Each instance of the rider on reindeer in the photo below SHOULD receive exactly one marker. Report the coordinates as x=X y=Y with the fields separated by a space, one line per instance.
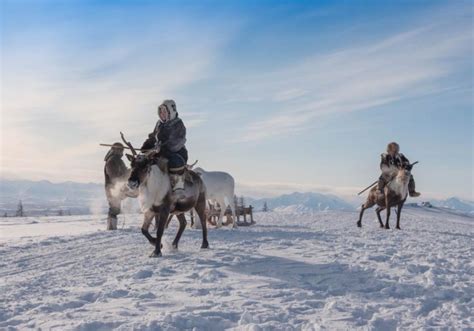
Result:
x=391 y=161
x=169 y=139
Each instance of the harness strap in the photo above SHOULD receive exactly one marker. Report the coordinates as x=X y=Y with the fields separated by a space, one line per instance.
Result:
x=177 y=169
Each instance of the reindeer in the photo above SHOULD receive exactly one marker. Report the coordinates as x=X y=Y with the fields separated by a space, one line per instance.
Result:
x=158 y=201
x=396 y=193
x=220 y=189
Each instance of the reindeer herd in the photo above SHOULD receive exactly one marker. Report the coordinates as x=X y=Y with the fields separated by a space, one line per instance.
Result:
x=158 y=202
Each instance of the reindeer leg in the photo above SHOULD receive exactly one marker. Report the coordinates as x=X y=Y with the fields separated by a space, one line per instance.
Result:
x=148 y=218
x=368 y=204
x=192 y=218
x=387 y=225
x=182 y=226
x=169 y=221
x=160 y=218
x=399 y=213
x=234 y=218
x=201 y=211
x=387 y=205
x=362 y=209
x=377 y=211
x=221 y=203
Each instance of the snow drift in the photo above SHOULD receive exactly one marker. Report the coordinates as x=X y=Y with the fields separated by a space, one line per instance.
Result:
x=292 y=271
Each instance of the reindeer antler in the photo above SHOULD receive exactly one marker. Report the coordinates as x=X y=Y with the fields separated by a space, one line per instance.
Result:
x=134 y=152
x=192 y=165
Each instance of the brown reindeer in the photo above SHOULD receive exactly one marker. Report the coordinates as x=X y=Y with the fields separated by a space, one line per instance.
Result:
x=395 y=194
x=158 y=201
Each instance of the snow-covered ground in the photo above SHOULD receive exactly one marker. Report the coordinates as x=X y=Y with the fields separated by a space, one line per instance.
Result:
x=289 y=271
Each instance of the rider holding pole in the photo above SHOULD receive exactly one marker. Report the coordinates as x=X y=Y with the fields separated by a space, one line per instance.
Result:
x=390 y=162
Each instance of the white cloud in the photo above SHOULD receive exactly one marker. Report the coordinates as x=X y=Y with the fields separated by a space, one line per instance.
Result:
x=61 y=97
x=289 y=94
x=402 y=66
x=194 y=119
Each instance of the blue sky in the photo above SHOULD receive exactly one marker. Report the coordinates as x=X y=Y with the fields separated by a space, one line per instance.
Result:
x=286 y=96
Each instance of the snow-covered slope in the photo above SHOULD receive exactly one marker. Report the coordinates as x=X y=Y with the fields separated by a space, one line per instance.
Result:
x=303 y=202
x=456 y=204
x=289 y=271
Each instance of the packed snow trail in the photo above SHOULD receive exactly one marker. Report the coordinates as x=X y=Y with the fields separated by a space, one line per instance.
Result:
x=290 y=271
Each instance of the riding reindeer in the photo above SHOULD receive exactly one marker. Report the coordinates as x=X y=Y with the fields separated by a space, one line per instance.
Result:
x=157 y=200
x=395 y=194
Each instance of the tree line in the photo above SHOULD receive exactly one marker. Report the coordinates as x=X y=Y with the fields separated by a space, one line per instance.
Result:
x=20 y=212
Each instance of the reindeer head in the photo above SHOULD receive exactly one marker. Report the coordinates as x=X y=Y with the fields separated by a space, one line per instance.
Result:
x=140 y=166
x=139 y=163
x=404 y=172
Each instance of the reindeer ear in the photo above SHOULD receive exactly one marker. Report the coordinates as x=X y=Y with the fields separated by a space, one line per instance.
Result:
x=129 y=157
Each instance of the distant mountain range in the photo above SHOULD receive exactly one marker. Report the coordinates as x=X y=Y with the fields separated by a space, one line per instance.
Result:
x=41 y=190
x=312 y=202
x=455 y=204
x=46 y=198
x=302 y=202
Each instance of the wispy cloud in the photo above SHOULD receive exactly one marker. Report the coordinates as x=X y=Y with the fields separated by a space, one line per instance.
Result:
x=402 y=66
x=61 y=98
x=194 y=119
x=72 y=81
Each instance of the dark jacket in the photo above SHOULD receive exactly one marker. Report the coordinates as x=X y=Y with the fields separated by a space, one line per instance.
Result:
x=114 y=169
x=398 y=161
x=171 y=135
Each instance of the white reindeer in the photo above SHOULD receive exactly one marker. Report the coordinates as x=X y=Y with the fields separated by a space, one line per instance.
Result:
x=219 y=188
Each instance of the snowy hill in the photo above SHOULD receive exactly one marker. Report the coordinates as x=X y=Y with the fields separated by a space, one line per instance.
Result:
x=302 y=202
x=457 y=204
x=291 y=271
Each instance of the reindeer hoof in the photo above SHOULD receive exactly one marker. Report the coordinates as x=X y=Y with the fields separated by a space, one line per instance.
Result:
x=156 y=254
x=175 y=246
x=205 y=245
x=399 y=228
x=387 y=227
x=359 y=224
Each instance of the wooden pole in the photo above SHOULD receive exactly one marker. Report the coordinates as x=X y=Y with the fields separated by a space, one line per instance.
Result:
x=125 y=147
x=371 y=185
